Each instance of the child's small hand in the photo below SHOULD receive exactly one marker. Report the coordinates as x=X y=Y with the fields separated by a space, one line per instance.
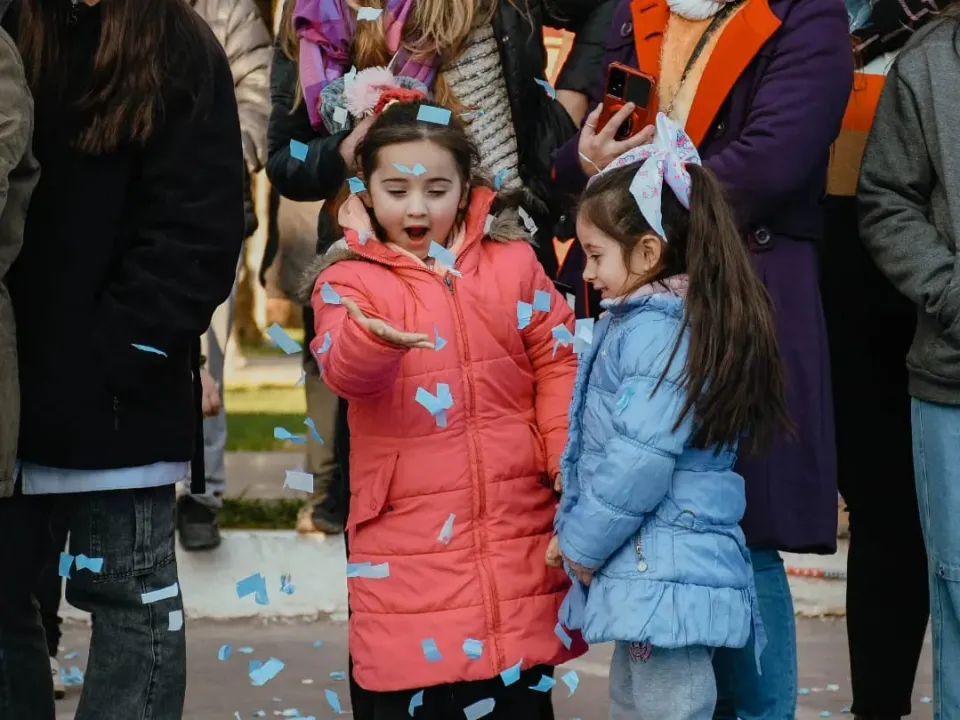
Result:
x=210 y=395
x=583 y=574
x=553 y=558
x=386 y=332
x=558 y=484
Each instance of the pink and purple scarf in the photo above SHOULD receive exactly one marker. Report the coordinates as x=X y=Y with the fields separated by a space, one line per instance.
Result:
x=326 y=29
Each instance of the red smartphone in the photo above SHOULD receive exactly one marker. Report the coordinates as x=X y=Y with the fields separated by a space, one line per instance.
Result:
x=626 y=84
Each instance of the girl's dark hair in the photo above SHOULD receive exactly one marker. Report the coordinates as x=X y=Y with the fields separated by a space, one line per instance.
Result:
x=142 y=46
x=733 y=374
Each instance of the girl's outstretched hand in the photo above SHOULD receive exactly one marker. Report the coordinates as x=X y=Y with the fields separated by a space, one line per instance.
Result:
x=386 y=332
x=599 y=149
x=553 y=558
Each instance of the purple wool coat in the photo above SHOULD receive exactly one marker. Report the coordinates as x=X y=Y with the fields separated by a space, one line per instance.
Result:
x=773 y=97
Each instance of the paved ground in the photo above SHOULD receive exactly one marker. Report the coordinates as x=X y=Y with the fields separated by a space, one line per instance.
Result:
x=259 y=475
x=219 y=689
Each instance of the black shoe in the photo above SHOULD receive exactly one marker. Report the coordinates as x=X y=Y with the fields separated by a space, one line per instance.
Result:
x=197 y=525
x=327 y=517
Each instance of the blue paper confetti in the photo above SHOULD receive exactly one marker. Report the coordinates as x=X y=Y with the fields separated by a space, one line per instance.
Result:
x=281 y=433
x=333 y=700
x=255 y=585
x=313 y=430
x=541 y=301
x=845 y=710
x=338 y=675
x=318 y=643
x=267 y=672
x=582 y=334
x=94 y=565
x=439 y=343
x=472 y=115
x=524 y=314
x=443 y=256
x=298 y=150
x=511 y=674
x=430 y=650
x=368 y=13
x=298 y=480
x=66 y=562
x=245 y=650
x=148 y=349
x=625 y=397
x=565 y=638
x=417 y=170
x=223 y=654
x=283 y=341
x=356 y=185
x=437 y=405
x=926 y=700
x=415 y=702
x=499 y=178
x=286 y=585
x=71 y=677
x=572 y=681
x=473 y=649
x=562 y=336
x=480 y=709
x=826 y=714
x=254 y=665
x=546 y=684
x=803 y=691
x=327 y=342
x=435 y=115
x=368 y=570
x=72 y=655
x=329 y=295
x=546 y=86
x=446 y=532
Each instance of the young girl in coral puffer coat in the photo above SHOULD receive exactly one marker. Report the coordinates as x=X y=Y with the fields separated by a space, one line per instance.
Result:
x=437 y=323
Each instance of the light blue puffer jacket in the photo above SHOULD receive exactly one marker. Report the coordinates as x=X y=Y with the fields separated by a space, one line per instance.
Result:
x=656 y=518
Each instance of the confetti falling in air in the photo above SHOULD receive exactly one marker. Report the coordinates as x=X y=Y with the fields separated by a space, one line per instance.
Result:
x=94 y=565
x=541 y=301
x=356 y=185
x=479 y=709
x=148 y=349
x=281 y=433
x=524 y=314
x=278 y=336
x=572 y=681
x=313 y=429
x=369 y=14
x=71 y=655
x=547 y=87
x=546 y=684
x=245 y=650
x=175 y=620
x=73 y=676
x=439 y=343
x=171 y=591
x=565 y=638
x=338 y=675
x=223 y=654
x=926 y=700
x=833 y=688
x=333 y=700
x=803 y=691
x=286 y=585
x=298 y=480
x=255 y=585
x=582 y=334
x=443 y=256
x=562 y=336
x=66 y=562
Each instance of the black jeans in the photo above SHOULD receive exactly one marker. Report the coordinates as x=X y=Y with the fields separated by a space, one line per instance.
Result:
x=871 y=327
x=443 y=702
x=136 y=667
x=50 y=585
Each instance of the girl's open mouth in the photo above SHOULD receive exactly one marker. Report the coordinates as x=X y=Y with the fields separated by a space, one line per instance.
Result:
x=416 y=233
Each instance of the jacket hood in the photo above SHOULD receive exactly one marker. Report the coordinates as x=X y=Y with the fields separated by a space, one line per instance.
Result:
x=506 y=226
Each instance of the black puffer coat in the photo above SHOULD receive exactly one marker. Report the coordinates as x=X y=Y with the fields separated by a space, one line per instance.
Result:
x=541 y=124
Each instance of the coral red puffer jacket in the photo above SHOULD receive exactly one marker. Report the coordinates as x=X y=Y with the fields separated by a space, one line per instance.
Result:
x=490 y=467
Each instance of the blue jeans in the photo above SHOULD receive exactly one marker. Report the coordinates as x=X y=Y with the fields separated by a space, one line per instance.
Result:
x=741 y=692
x=936 y=460
x=136 y=667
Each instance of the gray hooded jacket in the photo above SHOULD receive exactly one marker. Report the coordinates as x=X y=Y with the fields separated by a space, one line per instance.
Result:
x=19 y=173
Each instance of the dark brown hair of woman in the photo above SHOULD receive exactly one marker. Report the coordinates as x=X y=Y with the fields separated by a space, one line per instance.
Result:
x=141 y=52
x=733 y=375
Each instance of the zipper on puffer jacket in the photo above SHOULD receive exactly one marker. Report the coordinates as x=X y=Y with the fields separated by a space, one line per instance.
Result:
x=642 y=565
x=476 y=461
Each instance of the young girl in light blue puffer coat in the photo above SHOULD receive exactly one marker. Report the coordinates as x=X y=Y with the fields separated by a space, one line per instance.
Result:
x=683 y=371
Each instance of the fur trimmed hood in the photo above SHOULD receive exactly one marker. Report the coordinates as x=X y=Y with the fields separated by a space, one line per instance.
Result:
x=507 y=226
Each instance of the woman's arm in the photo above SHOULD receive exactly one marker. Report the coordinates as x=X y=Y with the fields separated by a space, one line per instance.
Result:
x=355 y=363
x=896 y=182
x=796 y=112
x=589 y=20
x=179 y=258
x=322 y=173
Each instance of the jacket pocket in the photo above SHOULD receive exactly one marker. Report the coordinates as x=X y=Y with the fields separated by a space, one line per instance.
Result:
x=367 y=502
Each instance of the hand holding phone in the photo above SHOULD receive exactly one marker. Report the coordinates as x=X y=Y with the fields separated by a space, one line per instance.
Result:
x=598 y=148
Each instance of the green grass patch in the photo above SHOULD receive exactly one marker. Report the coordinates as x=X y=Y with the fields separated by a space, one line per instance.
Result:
x=265 y=347
x=243 y=514
x=253 y=413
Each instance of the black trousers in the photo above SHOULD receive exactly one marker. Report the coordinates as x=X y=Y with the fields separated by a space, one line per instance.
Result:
x=871 y=327
x=49 y=588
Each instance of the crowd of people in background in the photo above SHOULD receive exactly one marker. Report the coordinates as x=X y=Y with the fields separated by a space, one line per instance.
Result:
x=759 y=307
